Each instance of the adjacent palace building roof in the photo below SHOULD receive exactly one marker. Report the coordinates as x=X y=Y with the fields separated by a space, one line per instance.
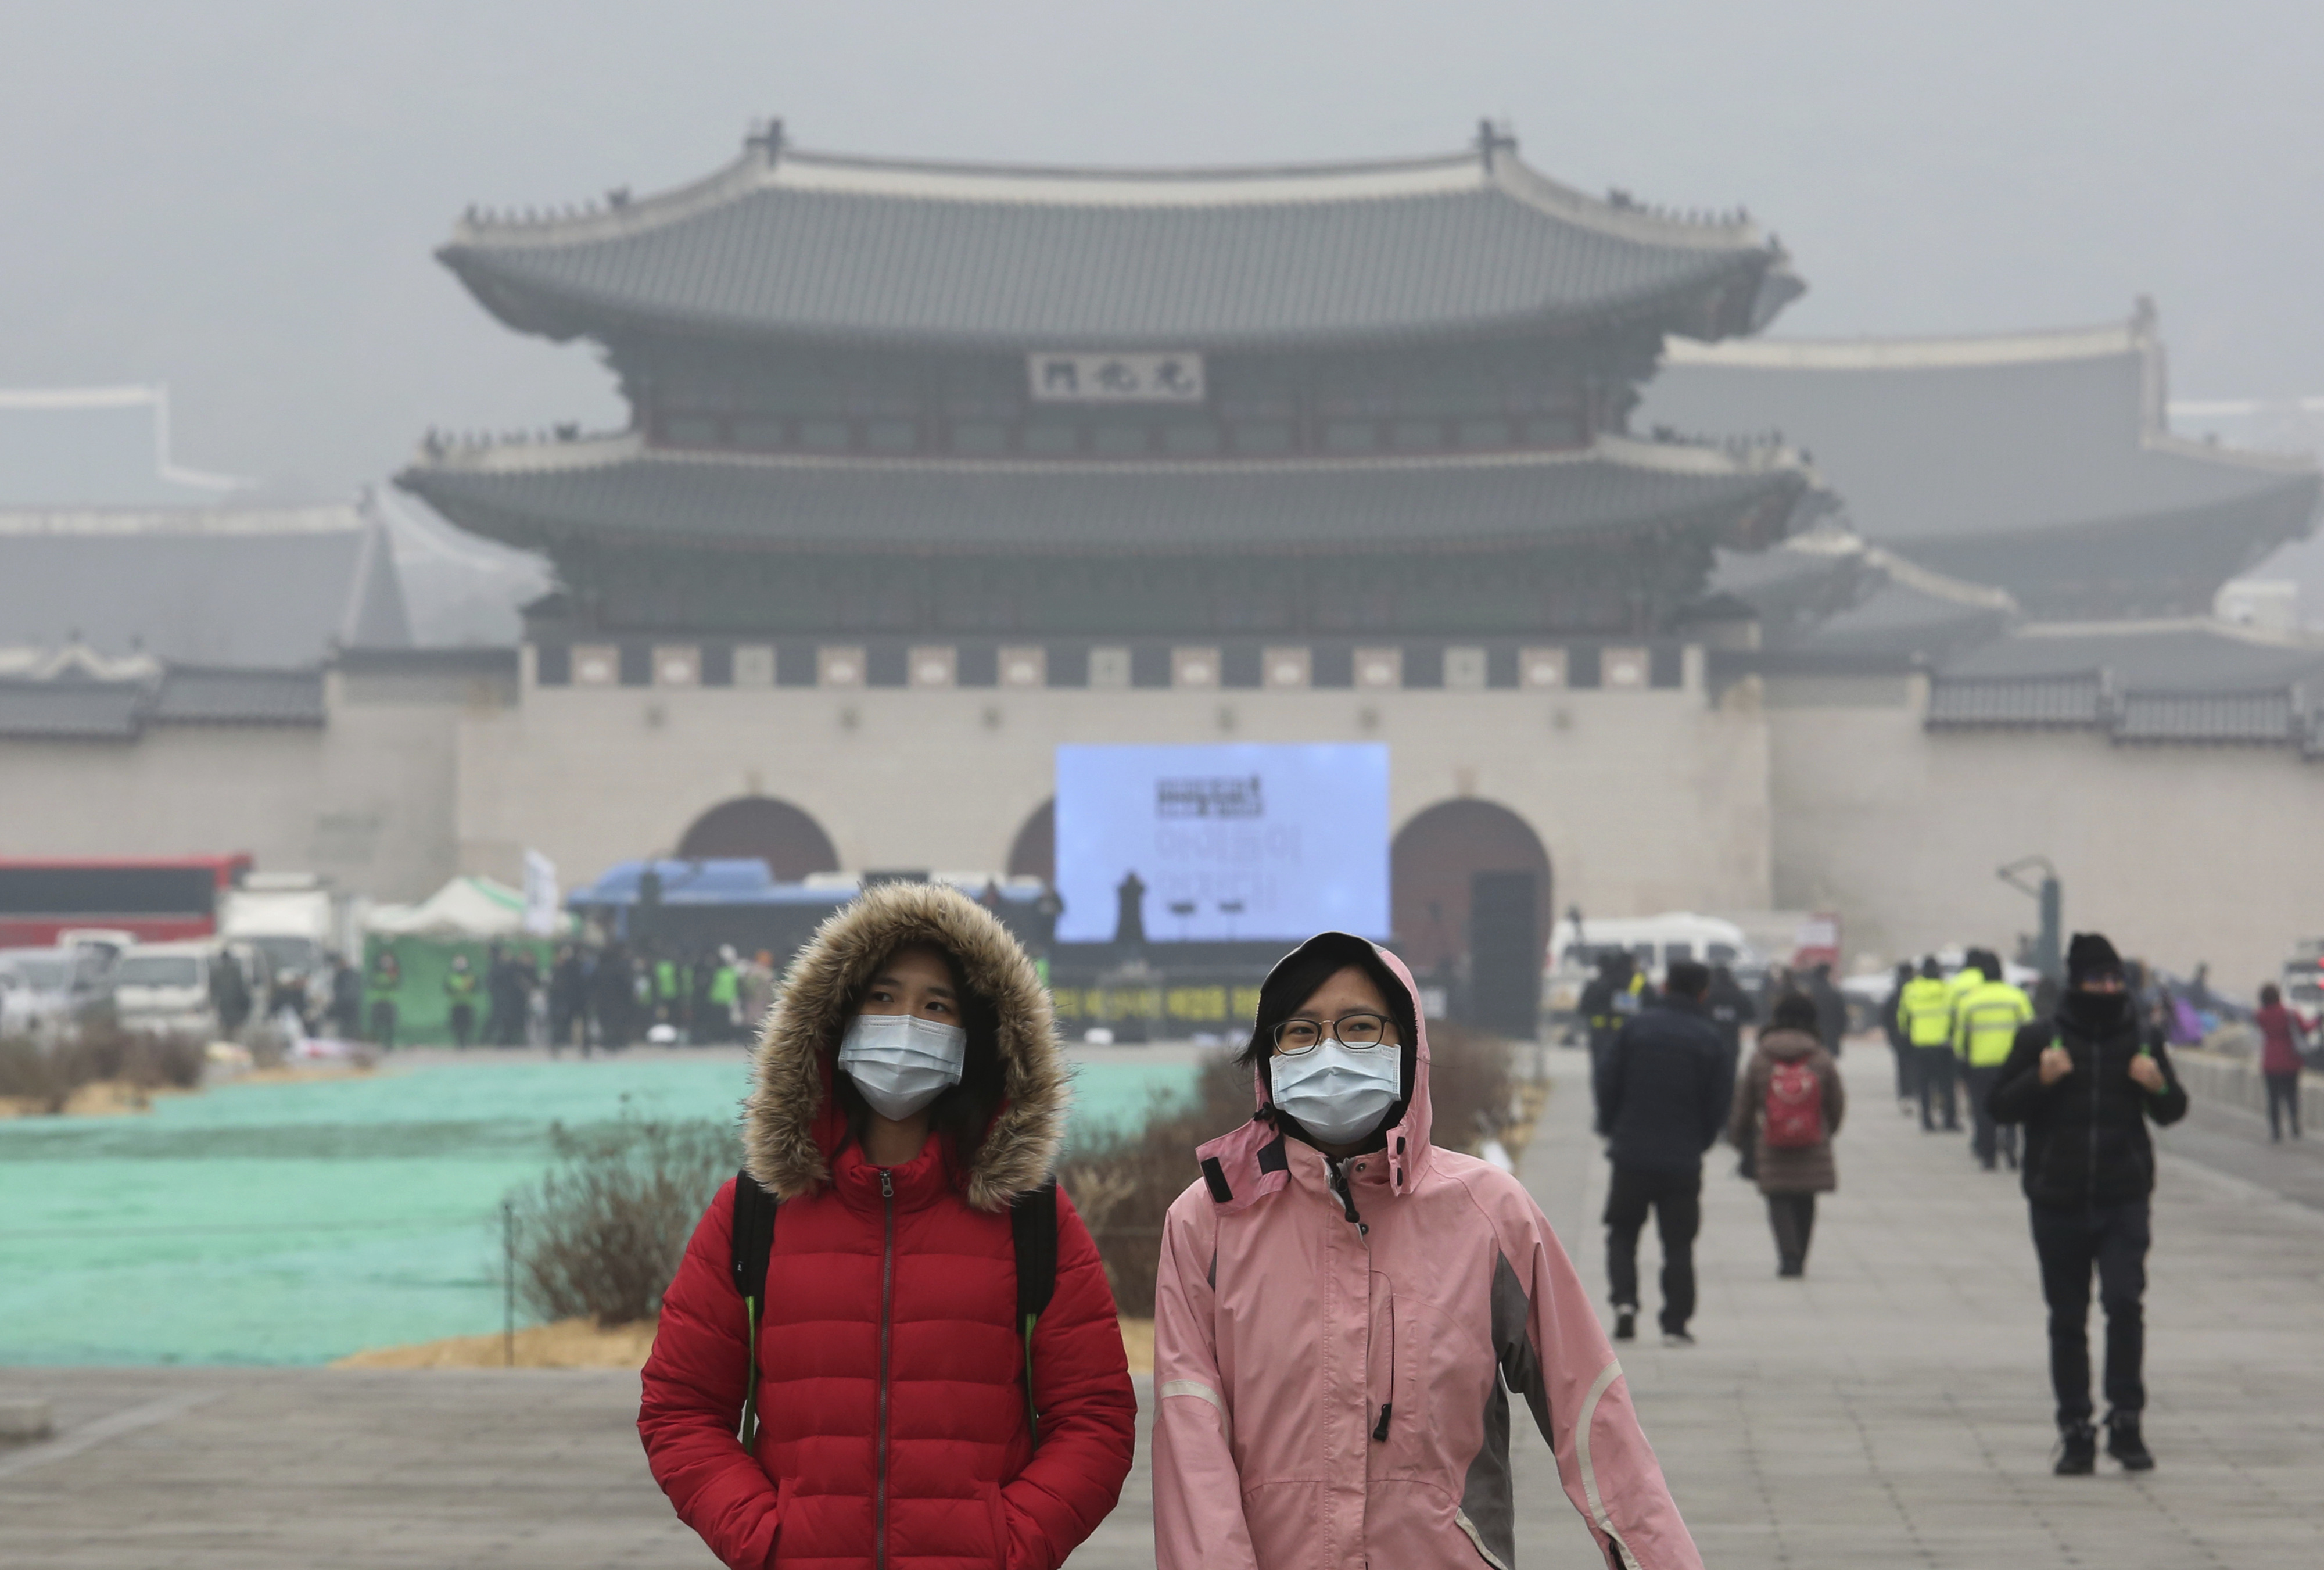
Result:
x=2037 y=462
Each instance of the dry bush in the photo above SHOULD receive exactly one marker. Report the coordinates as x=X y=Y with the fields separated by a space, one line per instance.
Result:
x=1123 y=1181
x=602 y=1234
x=1467 y=1085
x=28 y=1073
x=49 y=1075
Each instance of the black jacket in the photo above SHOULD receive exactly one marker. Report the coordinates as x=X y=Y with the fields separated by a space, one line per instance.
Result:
x=2085 y=1138
x=1662 y=1094
x=1729 y=1008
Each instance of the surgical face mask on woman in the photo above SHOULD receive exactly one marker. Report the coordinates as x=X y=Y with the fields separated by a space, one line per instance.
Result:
x=902 y=1062
x=1339 y=1092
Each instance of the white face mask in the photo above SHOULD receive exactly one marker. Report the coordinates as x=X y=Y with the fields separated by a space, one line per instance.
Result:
x=1338 y=1093
x=902 y=1062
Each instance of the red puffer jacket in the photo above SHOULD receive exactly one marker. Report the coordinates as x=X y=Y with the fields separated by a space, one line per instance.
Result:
x=891 y=1395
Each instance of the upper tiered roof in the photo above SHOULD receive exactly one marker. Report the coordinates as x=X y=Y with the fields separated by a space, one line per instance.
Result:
x=784 y=243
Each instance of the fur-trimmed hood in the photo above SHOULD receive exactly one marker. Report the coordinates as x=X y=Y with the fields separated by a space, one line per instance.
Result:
x=791 y=1124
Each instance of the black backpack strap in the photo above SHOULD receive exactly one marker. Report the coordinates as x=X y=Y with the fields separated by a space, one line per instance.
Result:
x=751 y=1243
x=1033 y=1227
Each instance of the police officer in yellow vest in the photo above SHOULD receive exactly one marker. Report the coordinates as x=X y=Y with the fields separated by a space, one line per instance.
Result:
x=1613 y=998
x=1986 y=1017
x=1926 y=1009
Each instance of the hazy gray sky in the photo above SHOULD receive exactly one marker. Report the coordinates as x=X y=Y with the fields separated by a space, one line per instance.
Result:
x=240 y=197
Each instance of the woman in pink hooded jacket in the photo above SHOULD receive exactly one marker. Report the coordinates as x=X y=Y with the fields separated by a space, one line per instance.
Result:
x=1344 y=1310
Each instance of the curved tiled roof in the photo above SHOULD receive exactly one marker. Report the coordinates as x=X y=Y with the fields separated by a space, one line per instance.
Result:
x=2159 y=682
x=789 y=243
x=538 y=495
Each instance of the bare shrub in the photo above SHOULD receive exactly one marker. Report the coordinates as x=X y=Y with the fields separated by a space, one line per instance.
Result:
x=48 y=1076
x=1467 y=1085
x=602 y=1234
x=1124 y=1179
x=28 y=1073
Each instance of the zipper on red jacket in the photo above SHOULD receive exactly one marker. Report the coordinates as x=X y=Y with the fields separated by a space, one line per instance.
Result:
x=887 y=1304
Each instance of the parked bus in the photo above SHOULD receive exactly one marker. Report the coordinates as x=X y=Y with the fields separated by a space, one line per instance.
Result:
x=159 y=899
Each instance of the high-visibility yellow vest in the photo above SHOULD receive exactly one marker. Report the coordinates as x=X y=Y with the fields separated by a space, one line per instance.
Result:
x=1928 y=1010
x=1985 y=1023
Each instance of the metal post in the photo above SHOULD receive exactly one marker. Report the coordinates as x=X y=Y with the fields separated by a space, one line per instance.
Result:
x=508 y=1282
x=2048 y=894
x=2049 y=948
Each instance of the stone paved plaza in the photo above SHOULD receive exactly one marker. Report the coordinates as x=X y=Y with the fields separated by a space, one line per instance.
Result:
x=1891 y=1409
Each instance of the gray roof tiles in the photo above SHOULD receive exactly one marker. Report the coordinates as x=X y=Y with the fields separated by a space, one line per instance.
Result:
x=832 y=248
x=1951 y=439
x=78 y=708
x=1128 y=508
x=2184 y=684
x=228 y=587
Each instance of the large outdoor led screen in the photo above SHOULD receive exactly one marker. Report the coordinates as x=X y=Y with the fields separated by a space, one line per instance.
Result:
x=1254 y=841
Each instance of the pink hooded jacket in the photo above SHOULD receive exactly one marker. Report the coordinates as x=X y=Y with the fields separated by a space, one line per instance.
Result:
x=1334 y=1379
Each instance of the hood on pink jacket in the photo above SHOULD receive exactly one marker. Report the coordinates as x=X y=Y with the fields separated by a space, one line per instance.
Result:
x=1244 y=1166
x=1336 y=1342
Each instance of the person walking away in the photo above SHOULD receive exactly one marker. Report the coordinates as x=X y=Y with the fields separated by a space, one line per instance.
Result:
x=1664 y=1100
x=755 y=992
x=2281 y=1039
x=722 y=995
x=909 y=1101
x=1342 y=1307
x=1928 y=1011
x=347 y=998
x=1788 y=1105
x=1986 y=1022
x=1729 y=1010
x=1900 y=1042
x=460 y=992
x=613 y=993
x=1613 y=997
x=384 y=982
x=1831 y=1009
x=568 y=997
x=2084 y=1084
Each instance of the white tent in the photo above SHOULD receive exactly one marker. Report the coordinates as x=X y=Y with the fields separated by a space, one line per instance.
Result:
x=467 y=906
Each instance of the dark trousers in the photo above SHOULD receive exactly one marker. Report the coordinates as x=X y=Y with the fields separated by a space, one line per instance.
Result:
x=2282 y=1093
x=1793 y=1218
x=382 y=1023
x=1676 y=1200
x=1991 y=1136
x=1908 y=1070
x=1936 y=1067
x=463 y=1023
x=2072 y=1242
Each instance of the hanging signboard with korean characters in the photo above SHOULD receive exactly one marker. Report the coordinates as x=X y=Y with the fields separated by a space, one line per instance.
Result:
x=1164 y=378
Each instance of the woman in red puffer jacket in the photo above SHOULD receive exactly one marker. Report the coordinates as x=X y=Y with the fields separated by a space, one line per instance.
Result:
x=908 y=1089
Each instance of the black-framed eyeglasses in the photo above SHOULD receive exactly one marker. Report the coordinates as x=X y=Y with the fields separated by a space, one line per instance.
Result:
x=1357 y=1031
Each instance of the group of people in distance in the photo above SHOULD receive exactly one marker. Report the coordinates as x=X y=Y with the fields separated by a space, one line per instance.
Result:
x=2082 y=1083
x=891 y=1338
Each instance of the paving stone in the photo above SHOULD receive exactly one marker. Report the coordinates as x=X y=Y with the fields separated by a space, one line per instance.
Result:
x=1892 y=1409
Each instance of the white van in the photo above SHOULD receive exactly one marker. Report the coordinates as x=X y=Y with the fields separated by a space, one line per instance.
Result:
x=164 y=989
x=1655 y=942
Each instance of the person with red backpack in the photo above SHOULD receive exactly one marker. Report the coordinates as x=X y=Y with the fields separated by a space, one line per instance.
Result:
x=1788 y=1104
x=891 y=1341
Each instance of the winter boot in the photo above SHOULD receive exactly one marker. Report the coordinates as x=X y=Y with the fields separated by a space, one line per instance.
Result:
x=2125 y=1445
x=2078 y=1451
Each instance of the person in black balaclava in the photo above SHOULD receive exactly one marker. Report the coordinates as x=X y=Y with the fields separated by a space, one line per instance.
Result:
x=2085 y=1082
